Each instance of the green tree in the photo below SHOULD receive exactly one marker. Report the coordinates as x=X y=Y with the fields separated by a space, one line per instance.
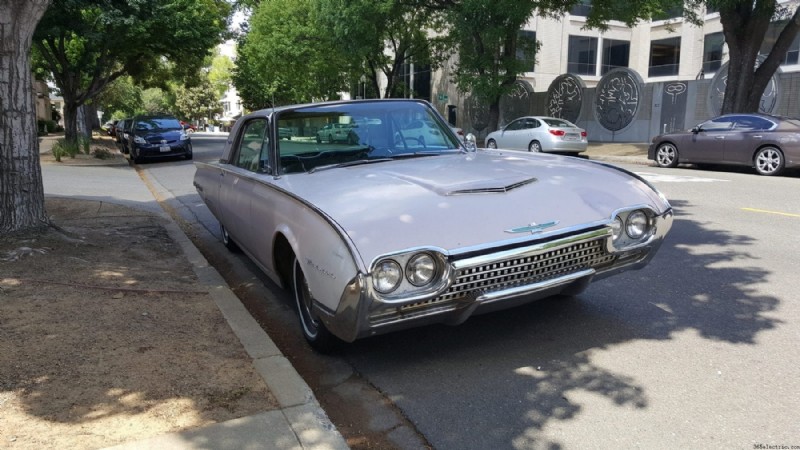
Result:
x=220 y=74
x=21 y=189
x=121 y=98
x=382 y=36
x=286 y=58
x=198 y=102
x=744 y=25
x=486 y=36
x=86 y=44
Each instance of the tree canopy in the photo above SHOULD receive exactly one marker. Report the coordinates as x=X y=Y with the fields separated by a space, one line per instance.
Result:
x=286 y=58
x=86 y=44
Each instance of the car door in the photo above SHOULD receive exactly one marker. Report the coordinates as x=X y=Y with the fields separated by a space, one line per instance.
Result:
x=707 y=143
x=512 y=136
x=236 y=185
x=749 y=133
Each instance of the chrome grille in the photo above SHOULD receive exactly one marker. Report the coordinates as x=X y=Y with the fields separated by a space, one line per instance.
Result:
x=522 y=270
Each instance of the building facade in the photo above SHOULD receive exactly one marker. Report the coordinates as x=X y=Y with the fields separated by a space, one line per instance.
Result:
x=669 y=60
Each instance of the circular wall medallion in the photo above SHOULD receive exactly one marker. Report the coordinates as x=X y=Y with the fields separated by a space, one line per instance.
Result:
x=617 y=98
x=477 y=112
x=565 y=97
x=517 y=102
x=716 y=94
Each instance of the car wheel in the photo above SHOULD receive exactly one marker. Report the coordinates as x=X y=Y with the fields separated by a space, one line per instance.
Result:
x=313 y=329
x=667 y=155
x=491 y=144
x=535 y=147
x=769 y=161
x=135 y=158
x=226 y=239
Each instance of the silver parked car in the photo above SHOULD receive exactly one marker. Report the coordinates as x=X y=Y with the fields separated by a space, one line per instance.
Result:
x=539 y=134
x=382 y=234
x=768 y=143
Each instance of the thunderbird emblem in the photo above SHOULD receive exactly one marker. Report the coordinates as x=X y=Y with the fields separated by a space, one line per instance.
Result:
x=533 y=228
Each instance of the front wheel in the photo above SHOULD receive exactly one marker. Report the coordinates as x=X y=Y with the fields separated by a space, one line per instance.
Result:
x=769 y=161
x=491 y=144
x=313 y=329
x=667 y=155
x=226 y=239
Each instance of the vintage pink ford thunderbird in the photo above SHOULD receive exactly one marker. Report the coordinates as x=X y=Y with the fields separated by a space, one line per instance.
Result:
x=397 y=225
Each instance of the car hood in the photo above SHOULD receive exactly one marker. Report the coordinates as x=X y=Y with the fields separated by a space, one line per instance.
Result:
x=461 y=201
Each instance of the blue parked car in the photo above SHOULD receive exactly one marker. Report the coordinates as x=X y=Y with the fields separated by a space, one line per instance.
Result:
x=153 y=137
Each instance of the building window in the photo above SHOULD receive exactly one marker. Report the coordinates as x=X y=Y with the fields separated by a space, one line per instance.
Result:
x=665 y=56
x=672 y=13
x=712 y=52
x=526 y=49
x=615 y=54
x=774 y=30
x=793 y=54
x=582 y=8
x=582 y=55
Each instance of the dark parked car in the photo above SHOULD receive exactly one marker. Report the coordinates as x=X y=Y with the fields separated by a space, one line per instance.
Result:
x=768 y=143
x=158 y=137
x=120 y=130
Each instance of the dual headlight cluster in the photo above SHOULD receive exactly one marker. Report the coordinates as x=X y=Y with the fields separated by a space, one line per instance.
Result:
x=403 y=273
x=631 y=227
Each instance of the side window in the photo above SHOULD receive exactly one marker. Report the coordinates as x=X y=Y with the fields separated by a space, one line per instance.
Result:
x=533 y=123
x=718 y=124
x=250 y=145
x=515 y=125
x=751 y=123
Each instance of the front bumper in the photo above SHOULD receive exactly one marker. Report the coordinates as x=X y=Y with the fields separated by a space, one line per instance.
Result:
x=495 y=281
x=166 y=150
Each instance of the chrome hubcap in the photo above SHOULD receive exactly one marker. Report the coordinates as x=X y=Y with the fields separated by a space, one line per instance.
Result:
x=768 y=161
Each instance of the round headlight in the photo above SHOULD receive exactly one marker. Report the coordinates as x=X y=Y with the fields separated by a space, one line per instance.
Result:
x=387 y=276
x=421 y=269
x=616 y=228
x=636 y=224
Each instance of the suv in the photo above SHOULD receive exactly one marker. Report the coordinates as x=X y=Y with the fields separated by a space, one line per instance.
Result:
x=157 y=137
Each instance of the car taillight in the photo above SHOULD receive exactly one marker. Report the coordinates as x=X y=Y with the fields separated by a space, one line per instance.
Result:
x=583 y=134
x=557 y=132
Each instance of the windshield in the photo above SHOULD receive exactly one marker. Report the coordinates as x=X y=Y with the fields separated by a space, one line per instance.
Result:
x=158 y=123
x=345 y=134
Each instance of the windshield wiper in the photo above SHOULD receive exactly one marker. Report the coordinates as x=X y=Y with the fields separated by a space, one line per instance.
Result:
x=349 y=164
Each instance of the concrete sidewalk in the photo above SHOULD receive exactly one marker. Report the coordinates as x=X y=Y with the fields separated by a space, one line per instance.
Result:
x=300 y=422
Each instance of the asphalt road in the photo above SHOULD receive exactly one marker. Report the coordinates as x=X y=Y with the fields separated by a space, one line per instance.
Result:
x=698 y=350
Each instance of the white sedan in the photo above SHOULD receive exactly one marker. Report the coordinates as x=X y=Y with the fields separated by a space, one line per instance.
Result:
x=376 y=234
x=539 y=134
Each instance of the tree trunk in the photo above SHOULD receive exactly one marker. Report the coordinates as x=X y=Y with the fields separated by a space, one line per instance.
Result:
x=21 y=190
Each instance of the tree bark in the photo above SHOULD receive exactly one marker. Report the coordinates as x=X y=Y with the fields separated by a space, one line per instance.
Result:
x=744 y=25
x=21 y=189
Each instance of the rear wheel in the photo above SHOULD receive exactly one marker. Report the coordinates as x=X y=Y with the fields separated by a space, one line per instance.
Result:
x=491 y=144
x=313 y=329
x=769 y=161
x=535 y=147
x=667 y=155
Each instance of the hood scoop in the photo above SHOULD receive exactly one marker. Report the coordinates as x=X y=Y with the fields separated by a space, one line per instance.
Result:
x=454 y=183
x=494 y=188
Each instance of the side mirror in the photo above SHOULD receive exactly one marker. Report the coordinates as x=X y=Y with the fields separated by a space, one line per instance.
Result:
x=695 y=130
x=470 y=143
